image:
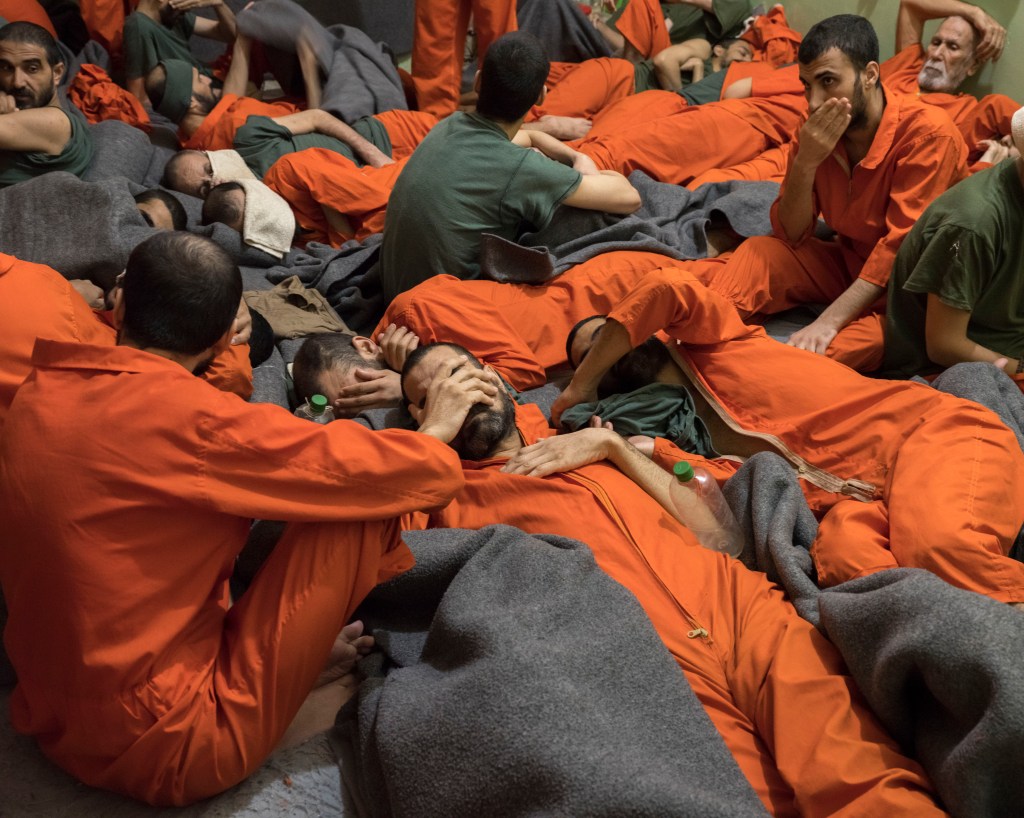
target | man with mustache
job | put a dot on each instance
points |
(965, 40)
(869, 161)
(38, 133)
(749, 658)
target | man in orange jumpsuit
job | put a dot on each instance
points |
(38, 302)
(905, 475)
(685, 141)
(518, 329)
(763, 674)
(870, 162)
(149, 682)
(439, 43)
(961, 45)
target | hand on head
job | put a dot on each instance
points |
(456, 387)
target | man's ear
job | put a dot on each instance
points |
(543, 95)
(58, 72)
(118, 307)
(718, 51)
(366, 346)
(872, 75)
(476, 82)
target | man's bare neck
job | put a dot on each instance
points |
(150, 8)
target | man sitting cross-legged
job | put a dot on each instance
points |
(119, 546)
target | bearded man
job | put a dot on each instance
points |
(38, 133)
(869, 161)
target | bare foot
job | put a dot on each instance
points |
(565, 128)
(348, 648)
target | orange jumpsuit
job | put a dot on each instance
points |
(519, 329)
(938, 481)
(642, 23)
(987, 118)
(147, 682)
(104, 20)
(773, 686)
(315, 178)
(439, 42)
(406, 130)
(916, 155)
(28, 11)
(97, 96)
(678, 147)
(37, 301)
(217, 132)
(585, 88)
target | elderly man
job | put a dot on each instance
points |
(37, 132)
(965, 40)
(957, 289)
(150, 682)
(761, 672)
(868, 162)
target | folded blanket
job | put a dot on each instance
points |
(361, 76)
(671, 220)
(518, 678)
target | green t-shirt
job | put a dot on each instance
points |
(968, 249)
(708, 89)
(464, 179)
(261, 141)
(645, 78)
(147, 42)
(724, 21)
(18, 166)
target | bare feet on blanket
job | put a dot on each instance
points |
(565, 128)
(334, 686)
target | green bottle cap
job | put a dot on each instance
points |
(683, 470)
(318, 404)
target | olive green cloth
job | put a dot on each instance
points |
(466, 178)
(645, 78)
(148, 43)
(17, 166)
(968, 249)
(656, 410)
(708, 89)
(177, 95)
(261, 141)
(724, 21)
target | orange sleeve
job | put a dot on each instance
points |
(231, 371)
(673, 300)
(642, 23)
(991, 119)
(770, 166)
(667, 454)
(777, 230)
(928, 169)
(785, 80)
(899, 73)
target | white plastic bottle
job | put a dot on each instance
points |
(316, 409)
(701, 507)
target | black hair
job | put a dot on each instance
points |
(850, 33)
(170, 178)
(156, 86)
(572, 334)
(322, 352)
(512, 77)
(179, 218)
(31, 34)
(219, 207)
(181, 293)
(418, 354)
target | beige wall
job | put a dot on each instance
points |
(1005, 77)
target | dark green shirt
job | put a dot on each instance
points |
(147, 42)
(18, 166)
(261, 141)
(645, 78)
(968, 249)
(464, 179)
(708, 89)
(724, 21)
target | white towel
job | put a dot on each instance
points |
(228, 166)
(1018, 130)
(268, 223)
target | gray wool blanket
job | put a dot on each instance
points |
(671, 220)
(88, 229)
(562, 28)
(361, 76)
(941, 667)
(515, 677)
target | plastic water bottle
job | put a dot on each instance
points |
(702, 508)
(316, 409)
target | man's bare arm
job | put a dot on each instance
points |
(36, 130)
(223, 28)
(315, 120)
(612, 343)
(913, 14)
(310, 72)
(817, 335)
(237, 79)
(668, 63)
(945, 334)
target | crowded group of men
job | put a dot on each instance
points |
(132, 462)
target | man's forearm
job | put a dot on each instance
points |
(642, 470)
(548, 145)
(612, 343)
(796, 206)
(858, 297)
(330, 125)
(237, 80)
(226, 22)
